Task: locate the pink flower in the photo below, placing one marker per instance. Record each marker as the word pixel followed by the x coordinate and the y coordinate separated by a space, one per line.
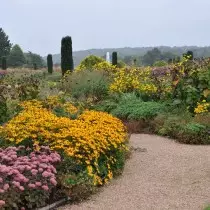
pixel 6 187
pixel 16 184
pixel 2 203
pixel 47 174
pixel 43 165
pixel 32 186
pixel 53 181
pixel 28 168
pixel 1 180
pixel 41 170
pixel 38 184
pixel 1 191
pixel 34 172
pixel 45 187
pixel 21 188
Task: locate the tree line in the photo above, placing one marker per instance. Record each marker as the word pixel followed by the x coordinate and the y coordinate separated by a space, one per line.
pixel 13 56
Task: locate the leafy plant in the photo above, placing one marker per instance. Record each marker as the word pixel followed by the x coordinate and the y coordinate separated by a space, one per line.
pixel 138 110
pixel 86 85
pixel 89 62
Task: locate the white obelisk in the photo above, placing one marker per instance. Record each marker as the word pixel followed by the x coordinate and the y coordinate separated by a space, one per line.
pixel 107 57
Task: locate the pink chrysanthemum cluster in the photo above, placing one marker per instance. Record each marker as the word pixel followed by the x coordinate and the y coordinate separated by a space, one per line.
pixel 19 172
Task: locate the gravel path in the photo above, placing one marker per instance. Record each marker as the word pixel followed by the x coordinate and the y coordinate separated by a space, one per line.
pixel 167 175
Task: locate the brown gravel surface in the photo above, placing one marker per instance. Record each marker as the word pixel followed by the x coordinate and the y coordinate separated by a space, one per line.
pixel 160 174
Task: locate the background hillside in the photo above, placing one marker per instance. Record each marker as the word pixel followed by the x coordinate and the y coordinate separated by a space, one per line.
pixel 137 52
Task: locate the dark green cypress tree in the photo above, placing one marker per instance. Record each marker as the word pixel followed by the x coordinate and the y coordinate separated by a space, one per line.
pixel 114 58
pixel 4 63
pixel 50 64
pixel 190 55
pixel 66 55
pixel 170 61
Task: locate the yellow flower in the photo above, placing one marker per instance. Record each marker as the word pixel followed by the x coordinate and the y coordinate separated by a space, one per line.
pixel 85 139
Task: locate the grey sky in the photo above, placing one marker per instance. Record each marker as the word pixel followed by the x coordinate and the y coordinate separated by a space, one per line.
pixel 39 25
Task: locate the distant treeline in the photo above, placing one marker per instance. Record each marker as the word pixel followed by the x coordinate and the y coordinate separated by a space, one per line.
pixel 139 54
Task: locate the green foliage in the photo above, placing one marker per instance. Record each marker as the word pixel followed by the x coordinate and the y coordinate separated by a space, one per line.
pixel 143 110
pixel 3 110
pixel 121 64
pixel 136 109
pixel 112 102
pixel 50 64
pixel 160 63
pixel 86 85
pixel 32 58
pixel 114 59
pixel 5 44
pixel 192 85
pixel 182 127
pixel 4 63
pixel 66 55
pixel 155 55
pixel 89 62
pixel 16 57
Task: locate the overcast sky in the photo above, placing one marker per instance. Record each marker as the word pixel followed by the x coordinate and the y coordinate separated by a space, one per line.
pixel 39 25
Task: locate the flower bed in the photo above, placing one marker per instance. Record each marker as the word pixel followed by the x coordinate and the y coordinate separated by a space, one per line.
pixel 92 146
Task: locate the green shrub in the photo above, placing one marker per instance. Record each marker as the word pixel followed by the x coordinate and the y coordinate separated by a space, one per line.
pixel 182 128
pixel 137 110
pixel 86 85
pixel 89 62
pixel 113 101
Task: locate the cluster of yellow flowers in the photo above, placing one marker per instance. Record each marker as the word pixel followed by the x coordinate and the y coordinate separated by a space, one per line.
pixel 133 80
pixel 202 107
pixel 87 138
pixel 102 66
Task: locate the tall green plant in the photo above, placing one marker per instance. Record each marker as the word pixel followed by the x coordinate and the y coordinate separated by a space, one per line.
pixel 66 55
pixel 4 63
pixel 50 64
pixel 114 58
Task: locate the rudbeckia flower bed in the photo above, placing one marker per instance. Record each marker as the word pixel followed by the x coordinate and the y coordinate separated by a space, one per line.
pixel 90 148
